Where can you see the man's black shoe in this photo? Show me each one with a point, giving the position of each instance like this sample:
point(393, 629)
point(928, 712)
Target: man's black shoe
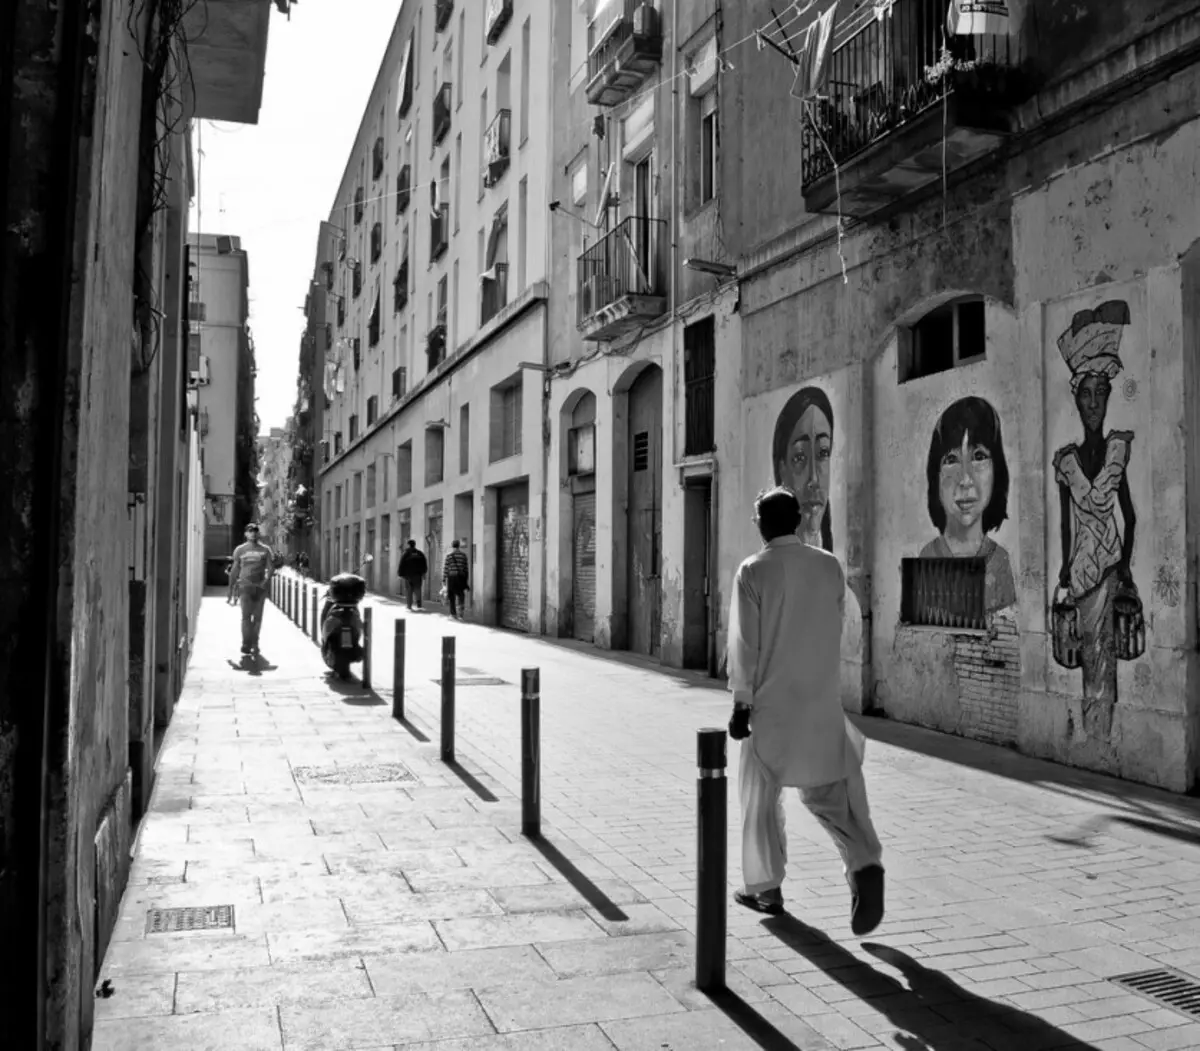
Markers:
point(866, 911)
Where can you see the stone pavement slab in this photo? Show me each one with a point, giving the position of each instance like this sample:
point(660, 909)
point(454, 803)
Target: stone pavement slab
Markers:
point(383, 899)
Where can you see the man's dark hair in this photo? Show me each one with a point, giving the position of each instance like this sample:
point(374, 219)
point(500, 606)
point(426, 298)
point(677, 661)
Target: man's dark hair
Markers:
point(412, 543)
point(455, 543)
point(777, 512)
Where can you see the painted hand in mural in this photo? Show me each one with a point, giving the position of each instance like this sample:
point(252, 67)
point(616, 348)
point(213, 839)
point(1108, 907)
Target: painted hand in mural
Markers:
point(1096, 614)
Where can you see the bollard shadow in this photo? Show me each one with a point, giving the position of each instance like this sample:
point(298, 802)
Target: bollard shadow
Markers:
point(412, 728)
point(750, 1022)
point(587, 890)
point(933, 1012)
point(471, 781)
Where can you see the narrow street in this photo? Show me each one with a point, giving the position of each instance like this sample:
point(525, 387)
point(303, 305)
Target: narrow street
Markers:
point(378, 898)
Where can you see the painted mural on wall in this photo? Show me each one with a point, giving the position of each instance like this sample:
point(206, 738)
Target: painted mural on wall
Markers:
point(801, 452)
point(1096, 610)
point(967, 483)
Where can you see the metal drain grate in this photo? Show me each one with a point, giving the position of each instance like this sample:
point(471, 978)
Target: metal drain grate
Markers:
point(361, 774)
point(464, 676)
point(205, 918)
point(1170, 988)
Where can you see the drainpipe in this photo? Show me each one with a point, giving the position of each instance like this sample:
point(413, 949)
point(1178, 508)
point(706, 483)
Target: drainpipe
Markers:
point(674, 228)
point(548, 277)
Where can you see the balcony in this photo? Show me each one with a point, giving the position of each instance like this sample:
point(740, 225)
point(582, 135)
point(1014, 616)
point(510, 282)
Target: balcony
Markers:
point(439, 233)
point(494, 292)
point(441, 113)
point(442, 11)
point(496, 147)
point(226, 53)
point(403, 189)
point(901, 110)
point(622, 279)
point(627, 50)
point(496, 16)
point(400, 288)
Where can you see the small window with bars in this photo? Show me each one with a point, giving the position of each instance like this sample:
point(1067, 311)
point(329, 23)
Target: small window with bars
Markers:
point(641, 451)
point(943, 592)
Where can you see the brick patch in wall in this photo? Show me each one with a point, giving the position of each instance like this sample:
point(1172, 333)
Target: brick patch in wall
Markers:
point(988, 669)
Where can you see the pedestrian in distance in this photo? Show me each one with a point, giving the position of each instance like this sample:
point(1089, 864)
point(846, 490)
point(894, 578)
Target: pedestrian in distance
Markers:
point(785, 633)
point(412, 569)
point(455, 570)
point(250, 574)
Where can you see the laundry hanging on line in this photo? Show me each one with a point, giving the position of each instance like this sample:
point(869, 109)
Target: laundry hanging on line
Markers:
point(812, 60)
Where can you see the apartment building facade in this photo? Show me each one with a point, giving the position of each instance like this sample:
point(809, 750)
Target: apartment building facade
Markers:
point(969, 265)
point(431, 281)
point(221, 379)
point(274, 508)
point(644, 330)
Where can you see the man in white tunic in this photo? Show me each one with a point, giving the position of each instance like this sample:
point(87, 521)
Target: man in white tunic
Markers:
point(785, 636)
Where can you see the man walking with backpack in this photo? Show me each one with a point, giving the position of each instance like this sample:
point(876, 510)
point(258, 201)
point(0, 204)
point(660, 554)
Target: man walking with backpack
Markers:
point(412, 569)
point(455, 571)
point(250, 573)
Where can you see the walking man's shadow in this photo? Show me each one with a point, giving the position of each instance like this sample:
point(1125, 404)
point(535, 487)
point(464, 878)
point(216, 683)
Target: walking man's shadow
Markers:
point(253, 664)
point(934, 1013)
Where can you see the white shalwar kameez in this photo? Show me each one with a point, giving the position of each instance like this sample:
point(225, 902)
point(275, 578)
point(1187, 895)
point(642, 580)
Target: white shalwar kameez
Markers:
point(785, 638)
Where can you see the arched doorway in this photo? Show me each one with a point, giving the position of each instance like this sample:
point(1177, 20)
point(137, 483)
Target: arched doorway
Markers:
point(580, 435)
point(643, 533)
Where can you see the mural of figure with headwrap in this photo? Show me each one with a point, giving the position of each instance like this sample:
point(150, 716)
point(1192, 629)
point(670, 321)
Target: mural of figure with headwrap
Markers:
point(967, 494)
point(800, 453)
point(1096, 613)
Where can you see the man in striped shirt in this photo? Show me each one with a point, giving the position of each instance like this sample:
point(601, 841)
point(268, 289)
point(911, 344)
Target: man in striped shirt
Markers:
point(455, 573)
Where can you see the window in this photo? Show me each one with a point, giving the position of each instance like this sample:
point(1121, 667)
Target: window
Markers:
point(708, 148)
point(358, 205)
point(943, 592)
point(699, 368)
point(197, 311)
point(442, 306)
point(371, 485)
point(337, 444)
point(337, 492)
point(325, 459)
point(404, 469)
point(462, 37)
point(399, 382)
point(579, 183)
point(464, 439)
point(353, 427)
point(376, 242)
point(358, 491)
point(505, 422)
point(341, 311)
point(373, 323)
point(457, 176)
point(946, 337)
point(483, 123)
point(435, 451)
point(329, 504)
point(356, 280)
point(377, 159)
point(372, 409)
point(405, 82)
point(524, 88)
point(522, 231)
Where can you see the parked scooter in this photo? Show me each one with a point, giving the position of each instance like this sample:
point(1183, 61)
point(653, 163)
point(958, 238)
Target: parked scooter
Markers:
point(341, 623)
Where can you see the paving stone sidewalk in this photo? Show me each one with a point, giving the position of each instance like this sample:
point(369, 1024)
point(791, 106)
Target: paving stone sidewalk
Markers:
point(381, 899)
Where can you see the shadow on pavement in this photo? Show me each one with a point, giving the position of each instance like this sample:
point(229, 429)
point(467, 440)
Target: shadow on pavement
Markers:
point(935, 1013)
point(1168, 808)
point(750, 1022)
point(472, 782)
point(252, 665)
point(592, 894)
point(413, 729)
point(1083, 836)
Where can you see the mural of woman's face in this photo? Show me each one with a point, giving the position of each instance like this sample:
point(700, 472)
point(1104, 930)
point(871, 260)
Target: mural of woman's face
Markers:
point(1091, 399)
point(806, 471)
point(965, 485)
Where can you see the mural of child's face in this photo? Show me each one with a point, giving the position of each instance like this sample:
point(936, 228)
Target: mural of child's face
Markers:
point(806, 471)
point(965, 485)
point(1091, 399)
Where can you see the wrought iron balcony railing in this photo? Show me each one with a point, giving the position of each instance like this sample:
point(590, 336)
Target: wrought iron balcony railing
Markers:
point(627, 48)
point(496, 147)
point(628, 261)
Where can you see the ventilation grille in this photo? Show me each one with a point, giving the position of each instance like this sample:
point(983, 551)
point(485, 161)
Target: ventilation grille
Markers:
point(205, 918)
point(641, 450)
point(1169, 988)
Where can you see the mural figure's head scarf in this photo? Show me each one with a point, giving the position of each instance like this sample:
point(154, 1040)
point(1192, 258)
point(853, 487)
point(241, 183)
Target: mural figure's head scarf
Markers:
point(1089, 347)
point(796, 406)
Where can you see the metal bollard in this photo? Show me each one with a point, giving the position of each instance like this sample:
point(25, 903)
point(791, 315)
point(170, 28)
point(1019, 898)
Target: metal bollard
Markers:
point(289, 599)
point(304, 607)
point(711, 860)
point(531, 752)
point(316, 624)
point(398, 671)
point(447, 698)
point(368, 638)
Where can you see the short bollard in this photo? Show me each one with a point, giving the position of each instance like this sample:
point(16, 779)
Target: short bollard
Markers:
point(368, 638)
point(448, 699)
point(398, 671)
point(316, 624)
point(711, 860)
point(304, 607)
point(531, 752)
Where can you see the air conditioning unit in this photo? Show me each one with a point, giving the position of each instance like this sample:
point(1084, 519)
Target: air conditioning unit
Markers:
point(194, 327)
point(200, 377)
point(224, 245)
